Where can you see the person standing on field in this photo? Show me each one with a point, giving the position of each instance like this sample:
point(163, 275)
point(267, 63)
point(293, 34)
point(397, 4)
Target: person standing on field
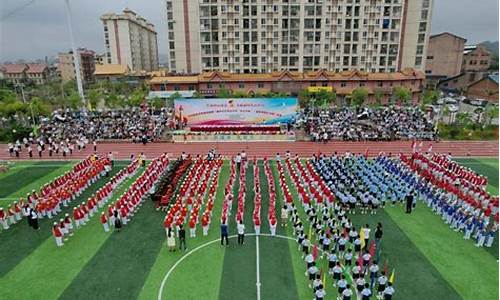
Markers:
point(223, 233)
point(182, 238)
point(241, 233)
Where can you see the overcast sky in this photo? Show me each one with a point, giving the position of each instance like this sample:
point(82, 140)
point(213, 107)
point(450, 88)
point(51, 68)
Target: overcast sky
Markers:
point(31, 29)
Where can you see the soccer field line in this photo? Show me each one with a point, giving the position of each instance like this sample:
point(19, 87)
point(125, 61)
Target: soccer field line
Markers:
point(258, 265)
point(164, 281)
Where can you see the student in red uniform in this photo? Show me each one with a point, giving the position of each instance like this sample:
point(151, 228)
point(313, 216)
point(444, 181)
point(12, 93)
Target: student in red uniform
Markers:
point(104, 222)
point(56, 232)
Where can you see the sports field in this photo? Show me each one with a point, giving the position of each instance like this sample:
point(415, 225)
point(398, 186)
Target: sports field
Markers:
point(430, 260)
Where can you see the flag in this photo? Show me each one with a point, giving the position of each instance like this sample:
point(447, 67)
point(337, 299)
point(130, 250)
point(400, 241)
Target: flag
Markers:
point(372, 249)
point(315, 251)
point(386, 268)
point(362, 238)
point(413, 144)
point(360, 261)
point(391, 279)
point(310, 232)
point(366, 153)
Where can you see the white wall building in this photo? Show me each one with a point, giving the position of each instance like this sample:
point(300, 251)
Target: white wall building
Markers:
point(130, 40)
point(251, 36)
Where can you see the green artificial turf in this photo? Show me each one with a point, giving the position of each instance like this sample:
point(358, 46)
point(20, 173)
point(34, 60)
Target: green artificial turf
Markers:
point(471, 271)
point(415, 276)
point(238, 279)
point(121, 265)
point(20, 240)
point(276, 269)
point(59, 266)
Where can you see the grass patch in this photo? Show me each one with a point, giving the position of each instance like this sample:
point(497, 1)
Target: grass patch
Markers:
point(472, 272)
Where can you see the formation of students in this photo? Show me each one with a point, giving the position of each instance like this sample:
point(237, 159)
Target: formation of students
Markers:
point(462, 205)
point(195, 194)
point(271, 214)
point(59, 193)
point(352, 264)
point(87, 209)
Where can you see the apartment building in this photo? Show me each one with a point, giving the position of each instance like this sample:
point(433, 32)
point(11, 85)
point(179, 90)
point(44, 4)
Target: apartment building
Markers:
point(258, 36)
point(130, 40)
point(66, 65)
point(444, 55)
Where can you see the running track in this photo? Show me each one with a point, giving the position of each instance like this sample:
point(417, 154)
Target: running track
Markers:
point(269, 149)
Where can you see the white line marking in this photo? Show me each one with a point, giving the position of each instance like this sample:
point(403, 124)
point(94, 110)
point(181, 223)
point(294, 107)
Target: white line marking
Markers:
point(164, 281)
point(258, 265)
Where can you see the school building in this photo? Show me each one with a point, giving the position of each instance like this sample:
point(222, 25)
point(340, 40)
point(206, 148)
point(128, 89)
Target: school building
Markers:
point(291, 83)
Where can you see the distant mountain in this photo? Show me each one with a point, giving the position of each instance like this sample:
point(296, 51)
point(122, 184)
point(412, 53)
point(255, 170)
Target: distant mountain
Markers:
point(491, 46)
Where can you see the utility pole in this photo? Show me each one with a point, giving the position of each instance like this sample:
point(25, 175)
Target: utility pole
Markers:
point(76, 56)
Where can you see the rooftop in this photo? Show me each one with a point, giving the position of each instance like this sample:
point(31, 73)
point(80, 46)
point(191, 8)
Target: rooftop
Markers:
point(111, 69)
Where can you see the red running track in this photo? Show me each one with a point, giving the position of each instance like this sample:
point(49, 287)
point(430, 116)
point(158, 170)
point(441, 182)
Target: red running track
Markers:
point(269, 149)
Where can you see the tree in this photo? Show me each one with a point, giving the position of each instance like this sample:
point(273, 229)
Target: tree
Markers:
point(491, 114)
point(136, 98)
point(157, 103)
point(359, 96)
point(402, 94)
point(304, 98)
point(430, 97)
point(93, 96)
point(223, 93)
point(171, 99)
point(463, 119)
point(446, 112)
point(378, 95)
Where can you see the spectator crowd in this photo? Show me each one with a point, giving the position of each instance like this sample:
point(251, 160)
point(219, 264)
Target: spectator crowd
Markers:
point(361, 124)
point(67, 130)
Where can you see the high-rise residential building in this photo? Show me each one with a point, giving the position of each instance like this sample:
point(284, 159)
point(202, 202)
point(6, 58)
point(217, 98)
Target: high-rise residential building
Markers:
point(130, 40)
point(252, 36)
point(66, 65)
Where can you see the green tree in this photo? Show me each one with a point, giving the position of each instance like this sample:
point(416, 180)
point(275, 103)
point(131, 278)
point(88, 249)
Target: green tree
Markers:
point(491, 114)
point(136, 98)
point(378, 95)
point(171, 99)
point(304, 98)
point(402, 95)
point(463, 119)
point(359, 96)
point(430, 97)
point(223, 93)
point(157, 102)
point(93, 96)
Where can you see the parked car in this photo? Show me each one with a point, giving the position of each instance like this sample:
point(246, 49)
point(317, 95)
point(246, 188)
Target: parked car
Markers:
point(478, 102)
point(449, 100)
point(453, 108)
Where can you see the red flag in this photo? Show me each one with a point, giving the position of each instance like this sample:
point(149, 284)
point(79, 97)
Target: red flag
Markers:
point(366, 153)
point(372, 249)
point(386, 268)
point(360, 261)
point(315, 251)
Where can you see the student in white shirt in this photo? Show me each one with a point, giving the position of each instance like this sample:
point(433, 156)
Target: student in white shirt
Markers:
point(347, 293)
point(320, 293)
point(241, 232)
point(366, 292)
point(388, 292)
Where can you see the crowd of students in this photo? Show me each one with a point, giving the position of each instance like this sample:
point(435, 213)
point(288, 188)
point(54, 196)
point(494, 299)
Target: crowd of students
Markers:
point(361, 124)
point(462, 201)
point(352, 264)
point(195, 195)
point(67, 130)
point(48, 202)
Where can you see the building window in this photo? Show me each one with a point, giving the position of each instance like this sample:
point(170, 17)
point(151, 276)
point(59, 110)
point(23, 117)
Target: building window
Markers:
point(209, 85)
point(260, 85)
point(177, 88)
point(241, 85)
point(343, 84)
